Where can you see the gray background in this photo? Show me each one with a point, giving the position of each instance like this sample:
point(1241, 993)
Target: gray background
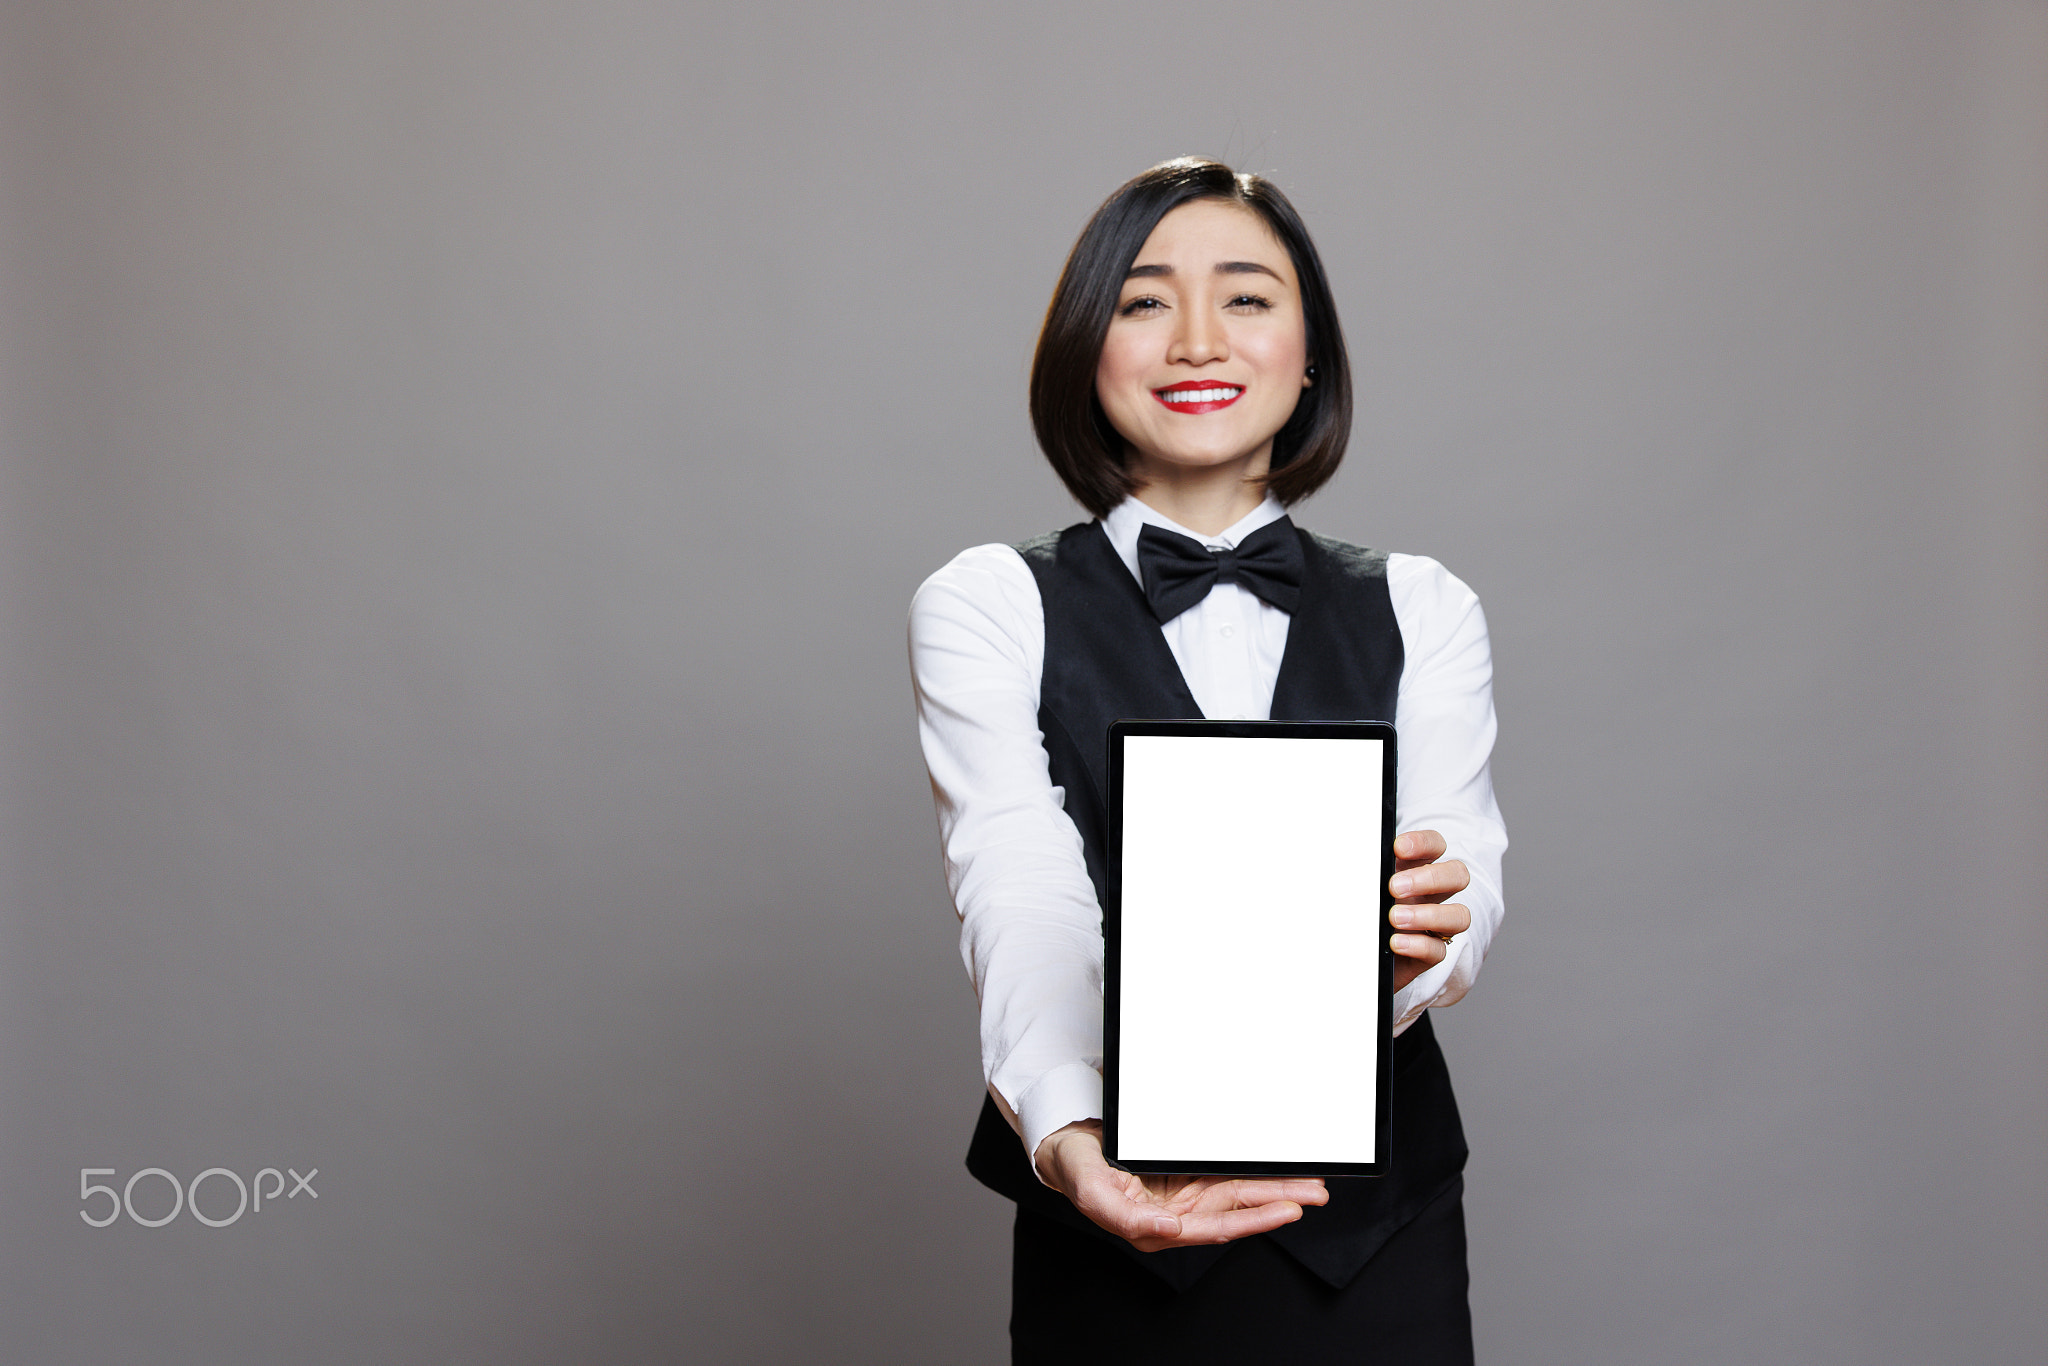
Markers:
point(465, 468)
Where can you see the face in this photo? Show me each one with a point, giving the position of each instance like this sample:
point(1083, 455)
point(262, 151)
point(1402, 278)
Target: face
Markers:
point(1207, 353)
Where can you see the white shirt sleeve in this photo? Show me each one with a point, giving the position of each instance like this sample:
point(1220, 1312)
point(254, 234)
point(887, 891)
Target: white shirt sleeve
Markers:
point(1444, 717)
point(1030, 927)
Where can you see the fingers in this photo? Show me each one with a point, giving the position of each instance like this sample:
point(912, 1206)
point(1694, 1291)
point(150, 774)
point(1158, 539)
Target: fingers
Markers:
point(1422, 936)
point(1224, 1226)
point(1248, 1192)
point(1106, 1198)
point(1418, 846)
point(1198, 1210)
point(1424, 877)
point(1431, 882)
point(1208, 1210)
point(1423, 920)
point(1440, 920)
point(1420, 950)
point(1148, 1226)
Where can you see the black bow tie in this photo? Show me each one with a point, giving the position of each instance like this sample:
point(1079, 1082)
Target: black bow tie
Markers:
point(1178, 571)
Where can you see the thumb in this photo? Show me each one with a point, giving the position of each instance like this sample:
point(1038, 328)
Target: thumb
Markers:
point(1108, 1205)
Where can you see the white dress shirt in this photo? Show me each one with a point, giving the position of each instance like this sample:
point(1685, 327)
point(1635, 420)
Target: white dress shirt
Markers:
point(1030, 927)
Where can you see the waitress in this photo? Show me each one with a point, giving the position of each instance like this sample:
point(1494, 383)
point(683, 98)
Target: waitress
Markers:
point(1190, 385)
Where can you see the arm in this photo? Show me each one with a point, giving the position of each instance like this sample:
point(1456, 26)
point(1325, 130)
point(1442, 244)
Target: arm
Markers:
point(1444, 713)
point(1031, 931)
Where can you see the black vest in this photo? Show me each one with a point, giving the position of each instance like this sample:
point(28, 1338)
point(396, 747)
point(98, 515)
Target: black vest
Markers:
point(1105, 660)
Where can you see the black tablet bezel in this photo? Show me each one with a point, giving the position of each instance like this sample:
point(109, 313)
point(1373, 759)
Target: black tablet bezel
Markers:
point(1112, 943)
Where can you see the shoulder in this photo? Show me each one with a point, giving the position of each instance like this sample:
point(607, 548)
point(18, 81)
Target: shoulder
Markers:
point(1352, 561)
point(998, 586)
point(1043, 555)
point(985, 578)
point(1038, 550)
point(1425, 581)
point(1417, 578)
point(1434, 607)
point(1437, 610)
point(981, 609)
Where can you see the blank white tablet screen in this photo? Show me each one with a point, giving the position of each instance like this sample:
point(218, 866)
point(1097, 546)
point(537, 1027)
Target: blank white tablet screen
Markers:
point(1248, 1016)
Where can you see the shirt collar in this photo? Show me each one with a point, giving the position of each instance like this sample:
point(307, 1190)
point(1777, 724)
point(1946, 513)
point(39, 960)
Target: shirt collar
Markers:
point(1128, 517)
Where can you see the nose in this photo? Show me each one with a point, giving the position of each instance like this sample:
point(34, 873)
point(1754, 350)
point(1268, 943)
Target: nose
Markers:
point(1198, 338)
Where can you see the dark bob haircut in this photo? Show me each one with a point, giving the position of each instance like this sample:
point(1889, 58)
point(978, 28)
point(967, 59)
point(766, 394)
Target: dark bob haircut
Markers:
point(1085, 450)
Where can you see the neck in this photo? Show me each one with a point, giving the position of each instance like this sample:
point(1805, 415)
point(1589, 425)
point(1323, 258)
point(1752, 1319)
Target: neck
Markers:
point(1206, 499)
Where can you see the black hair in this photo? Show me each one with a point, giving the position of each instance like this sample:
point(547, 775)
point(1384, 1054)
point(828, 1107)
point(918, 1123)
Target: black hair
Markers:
point(1088, 453)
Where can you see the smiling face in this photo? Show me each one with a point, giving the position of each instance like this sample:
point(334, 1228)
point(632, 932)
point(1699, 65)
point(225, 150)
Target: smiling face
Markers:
point(1207, 352)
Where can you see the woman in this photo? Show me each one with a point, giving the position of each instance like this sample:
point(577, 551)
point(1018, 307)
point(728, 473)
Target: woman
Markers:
point(1190, 384)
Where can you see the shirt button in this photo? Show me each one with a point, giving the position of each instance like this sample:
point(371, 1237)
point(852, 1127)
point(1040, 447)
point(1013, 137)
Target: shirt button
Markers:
point(1228, 630)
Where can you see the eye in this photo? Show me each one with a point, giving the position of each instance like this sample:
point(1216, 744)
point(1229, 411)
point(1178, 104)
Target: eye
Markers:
point(1138, 307)
point(1252, 303)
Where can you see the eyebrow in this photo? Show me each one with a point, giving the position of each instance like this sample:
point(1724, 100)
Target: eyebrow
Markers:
point(1222, 268)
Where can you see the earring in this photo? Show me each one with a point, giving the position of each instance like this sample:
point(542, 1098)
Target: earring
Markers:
point(1311, 372)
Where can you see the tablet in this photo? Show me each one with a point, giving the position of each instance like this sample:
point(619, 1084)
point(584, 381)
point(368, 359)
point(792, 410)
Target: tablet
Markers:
point(1247, 975)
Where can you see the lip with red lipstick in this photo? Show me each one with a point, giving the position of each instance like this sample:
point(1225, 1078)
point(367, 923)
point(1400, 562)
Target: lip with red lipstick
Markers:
point(1199, 396)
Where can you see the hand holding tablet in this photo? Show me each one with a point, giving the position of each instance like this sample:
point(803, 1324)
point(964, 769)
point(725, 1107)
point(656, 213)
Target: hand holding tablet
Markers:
point(1424, 922)
point(1155, 1212)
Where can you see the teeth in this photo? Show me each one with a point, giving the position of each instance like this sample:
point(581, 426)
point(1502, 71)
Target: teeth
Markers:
point(1203, 395)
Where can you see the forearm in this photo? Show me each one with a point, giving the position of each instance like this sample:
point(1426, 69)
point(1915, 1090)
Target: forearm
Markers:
point(1039, 984)
point(1446, 721)
point(1031, 932)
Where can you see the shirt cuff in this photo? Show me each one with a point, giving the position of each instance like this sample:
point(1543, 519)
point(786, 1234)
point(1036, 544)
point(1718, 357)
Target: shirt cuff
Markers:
point(1419, 995)
point(1072, 1091)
